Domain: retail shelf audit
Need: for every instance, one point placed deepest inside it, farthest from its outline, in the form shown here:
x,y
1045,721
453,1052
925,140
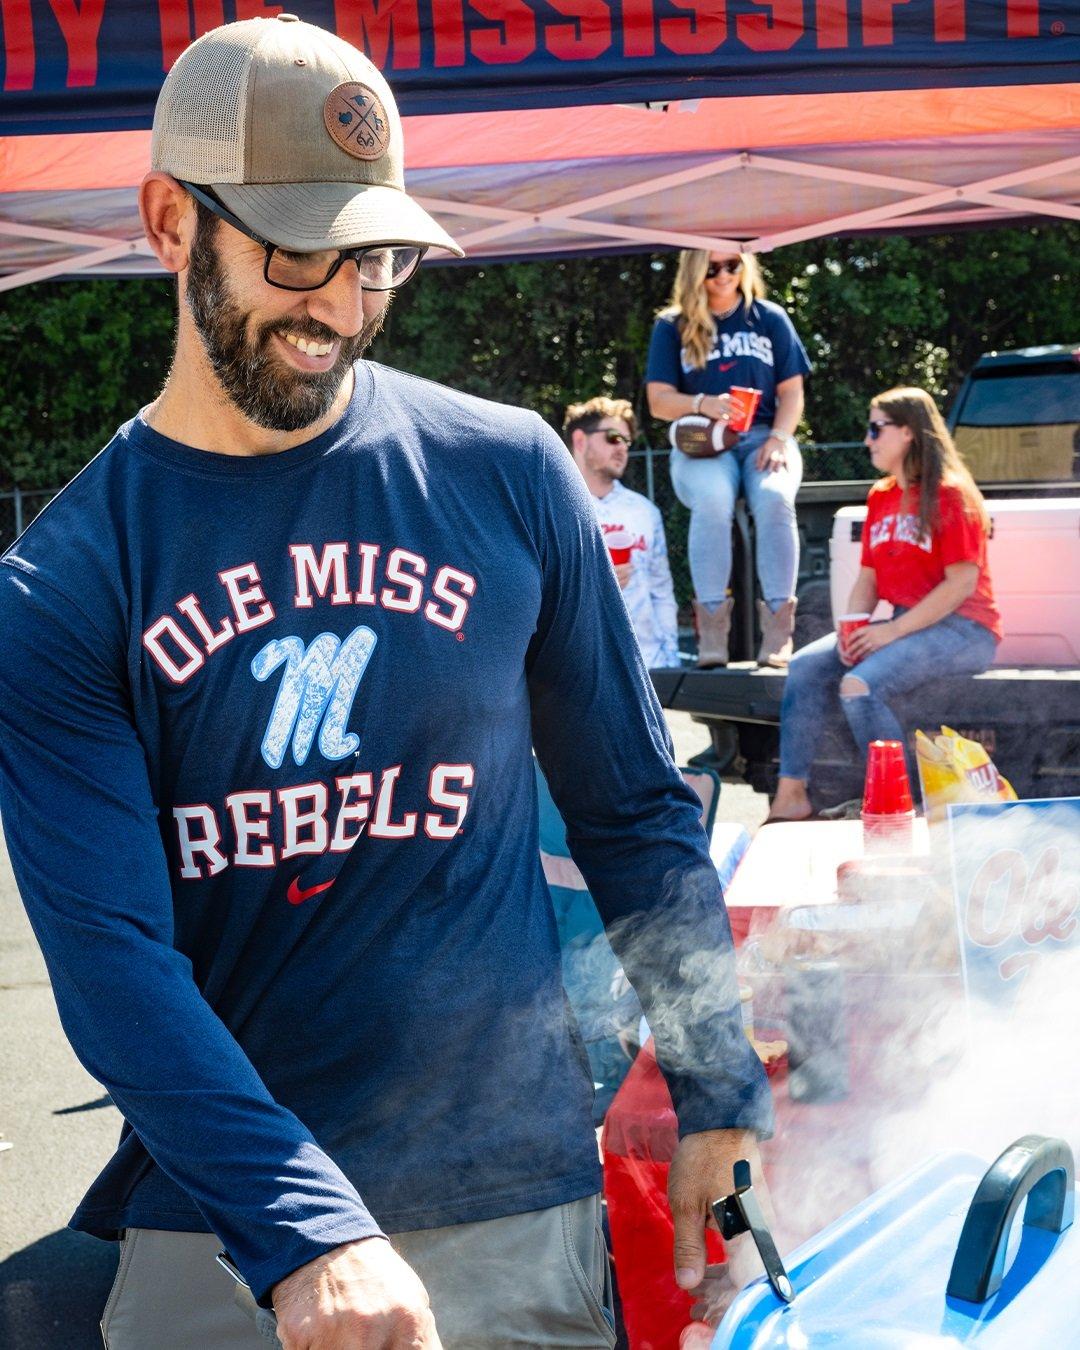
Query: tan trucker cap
x,y
297,133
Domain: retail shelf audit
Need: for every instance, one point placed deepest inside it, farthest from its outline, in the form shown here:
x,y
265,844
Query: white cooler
x,y
1034,557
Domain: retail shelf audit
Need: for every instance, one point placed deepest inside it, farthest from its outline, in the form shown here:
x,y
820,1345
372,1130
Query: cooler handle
x,y
1034,1167
740,1213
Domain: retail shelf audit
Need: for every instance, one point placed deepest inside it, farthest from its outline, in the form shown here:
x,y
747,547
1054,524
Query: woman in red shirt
x,y
923,551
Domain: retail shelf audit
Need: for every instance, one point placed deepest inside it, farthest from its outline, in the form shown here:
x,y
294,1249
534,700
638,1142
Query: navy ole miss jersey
x,y
266,728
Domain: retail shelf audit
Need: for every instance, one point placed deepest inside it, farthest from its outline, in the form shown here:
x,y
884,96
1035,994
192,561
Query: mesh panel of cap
x,y
200,121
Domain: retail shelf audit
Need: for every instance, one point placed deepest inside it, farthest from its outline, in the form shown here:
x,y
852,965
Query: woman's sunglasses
x,y
873,429
732,267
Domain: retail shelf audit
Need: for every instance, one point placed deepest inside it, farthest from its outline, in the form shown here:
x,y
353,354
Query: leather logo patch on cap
x,y
356,119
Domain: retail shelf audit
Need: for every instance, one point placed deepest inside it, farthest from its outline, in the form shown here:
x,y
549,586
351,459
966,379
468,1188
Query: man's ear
x,y
577,442
168,219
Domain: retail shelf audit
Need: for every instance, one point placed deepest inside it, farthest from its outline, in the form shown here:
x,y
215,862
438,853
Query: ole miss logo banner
x,y
1016,881
84,65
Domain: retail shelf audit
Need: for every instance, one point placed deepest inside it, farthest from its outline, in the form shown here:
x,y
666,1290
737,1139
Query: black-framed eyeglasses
x,y
382,267
873,429
612,436
733,266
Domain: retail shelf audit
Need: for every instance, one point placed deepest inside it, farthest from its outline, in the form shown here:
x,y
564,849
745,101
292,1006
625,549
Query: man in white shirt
x,y
599,434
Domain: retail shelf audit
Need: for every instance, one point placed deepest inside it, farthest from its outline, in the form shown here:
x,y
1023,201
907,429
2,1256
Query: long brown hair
x,y
932,458
689,303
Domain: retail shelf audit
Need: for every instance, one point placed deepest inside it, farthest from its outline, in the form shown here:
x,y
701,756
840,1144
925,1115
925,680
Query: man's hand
x,y
701,1172
361,1296
623,572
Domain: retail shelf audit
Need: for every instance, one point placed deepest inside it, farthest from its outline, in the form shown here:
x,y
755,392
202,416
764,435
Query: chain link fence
x,y
18,508
648,472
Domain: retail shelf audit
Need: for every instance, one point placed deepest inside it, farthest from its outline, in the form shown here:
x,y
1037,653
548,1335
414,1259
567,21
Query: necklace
x,y
719,318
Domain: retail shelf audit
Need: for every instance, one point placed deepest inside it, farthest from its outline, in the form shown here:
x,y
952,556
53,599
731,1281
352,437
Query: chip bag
x,y
954,769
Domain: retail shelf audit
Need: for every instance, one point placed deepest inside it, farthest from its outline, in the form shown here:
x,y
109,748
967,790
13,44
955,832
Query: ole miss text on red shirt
x,y
909,567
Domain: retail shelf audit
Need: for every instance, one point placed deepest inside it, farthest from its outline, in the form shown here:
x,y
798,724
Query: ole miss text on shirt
x,y
909,565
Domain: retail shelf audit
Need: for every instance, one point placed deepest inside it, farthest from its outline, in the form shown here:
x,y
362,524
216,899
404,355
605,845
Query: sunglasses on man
x,y
612,436
382,267
732,267
873,429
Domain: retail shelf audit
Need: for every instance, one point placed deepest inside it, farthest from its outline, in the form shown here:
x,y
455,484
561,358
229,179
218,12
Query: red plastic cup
x,y
619,543
887,791
744,404
846,624
888,814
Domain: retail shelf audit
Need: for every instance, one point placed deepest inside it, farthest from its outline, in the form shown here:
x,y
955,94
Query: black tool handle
x,y
1034,1167
740,1212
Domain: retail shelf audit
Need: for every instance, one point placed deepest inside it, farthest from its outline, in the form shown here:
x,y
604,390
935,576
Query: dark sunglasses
x,y
612,436
382,267
732,267
873,429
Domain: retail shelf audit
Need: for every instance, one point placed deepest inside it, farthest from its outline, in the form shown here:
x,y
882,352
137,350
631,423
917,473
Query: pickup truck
x,y
1016,419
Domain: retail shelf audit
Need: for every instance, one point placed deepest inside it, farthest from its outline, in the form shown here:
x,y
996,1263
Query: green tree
x,y
80,357
542,334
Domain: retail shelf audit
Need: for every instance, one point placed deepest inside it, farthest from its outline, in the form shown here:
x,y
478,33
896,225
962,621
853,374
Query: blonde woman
x,y
923,551
719,332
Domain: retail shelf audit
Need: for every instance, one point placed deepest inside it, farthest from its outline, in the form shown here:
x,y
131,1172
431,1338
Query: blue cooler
x,y
926,1263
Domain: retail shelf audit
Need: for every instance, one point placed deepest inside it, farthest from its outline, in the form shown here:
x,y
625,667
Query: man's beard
x,y
266,390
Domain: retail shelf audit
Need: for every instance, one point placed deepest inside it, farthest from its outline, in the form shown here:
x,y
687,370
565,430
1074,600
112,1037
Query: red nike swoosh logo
x,y
728,365
296,896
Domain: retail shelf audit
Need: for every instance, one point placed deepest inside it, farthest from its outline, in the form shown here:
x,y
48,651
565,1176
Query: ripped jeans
x,y
952,646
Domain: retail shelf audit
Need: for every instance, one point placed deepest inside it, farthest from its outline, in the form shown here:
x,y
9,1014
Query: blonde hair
x,y
932,458
689,303
588,416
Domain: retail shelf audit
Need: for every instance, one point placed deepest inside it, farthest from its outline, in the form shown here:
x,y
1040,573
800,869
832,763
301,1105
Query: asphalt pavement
x,y
62,1128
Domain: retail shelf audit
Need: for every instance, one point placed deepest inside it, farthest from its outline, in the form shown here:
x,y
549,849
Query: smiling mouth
x,y
308,346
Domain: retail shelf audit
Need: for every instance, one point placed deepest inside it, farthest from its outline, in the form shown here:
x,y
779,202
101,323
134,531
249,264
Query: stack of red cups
x,y
888,814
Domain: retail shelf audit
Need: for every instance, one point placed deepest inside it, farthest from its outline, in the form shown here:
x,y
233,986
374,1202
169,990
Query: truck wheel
x,y
723,748
813,618
725,744
762,777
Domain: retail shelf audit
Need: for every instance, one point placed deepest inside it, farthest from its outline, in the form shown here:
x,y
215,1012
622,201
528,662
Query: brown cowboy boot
x,y
713,632
777,631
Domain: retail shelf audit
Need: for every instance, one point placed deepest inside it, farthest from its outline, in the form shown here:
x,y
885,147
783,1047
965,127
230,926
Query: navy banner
x,y
97,64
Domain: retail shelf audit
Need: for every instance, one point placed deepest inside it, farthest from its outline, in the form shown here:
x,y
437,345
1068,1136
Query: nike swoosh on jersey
x,y
296,896
727,365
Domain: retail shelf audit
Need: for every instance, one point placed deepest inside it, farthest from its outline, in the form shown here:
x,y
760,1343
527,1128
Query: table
x,y
794,863
825,1156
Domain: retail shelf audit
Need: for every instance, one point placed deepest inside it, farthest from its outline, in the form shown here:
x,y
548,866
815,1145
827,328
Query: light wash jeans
x,y
952,646
710,488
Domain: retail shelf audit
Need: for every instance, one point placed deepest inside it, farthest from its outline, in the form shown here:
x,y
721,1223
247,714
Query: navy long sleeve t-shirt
x,y
266,728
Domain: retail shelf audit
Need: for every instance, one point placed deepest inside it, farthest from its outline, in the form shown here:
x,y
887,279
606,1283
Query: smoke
x,y
961,999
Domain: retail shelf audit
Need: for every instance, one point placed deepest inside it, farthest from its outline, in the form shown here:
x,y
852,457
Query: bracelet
x,y
779,435
699,399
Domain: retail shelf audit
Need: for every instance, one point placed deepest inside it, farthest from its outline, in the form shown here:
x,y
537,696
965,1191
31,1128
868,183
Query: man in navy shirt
x,y
273,667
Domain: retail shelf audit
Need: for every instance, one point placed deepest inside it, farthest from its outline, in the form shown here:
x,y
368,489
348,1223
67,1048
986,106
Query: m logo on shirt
x,y
316,693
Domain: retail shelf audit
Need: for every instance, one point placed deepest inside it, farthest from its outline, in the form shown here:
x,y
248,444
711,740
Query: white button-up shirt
x,y
649,595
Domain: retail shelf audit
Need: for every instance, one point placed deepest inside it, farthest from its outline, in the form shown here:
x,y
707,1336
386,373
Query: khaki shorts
x,y
536,1279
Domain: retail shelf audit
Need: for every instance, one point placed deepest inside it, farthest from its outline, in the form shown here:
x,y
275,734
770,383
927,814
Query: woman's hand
x,y
716,406
864,641
772,454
